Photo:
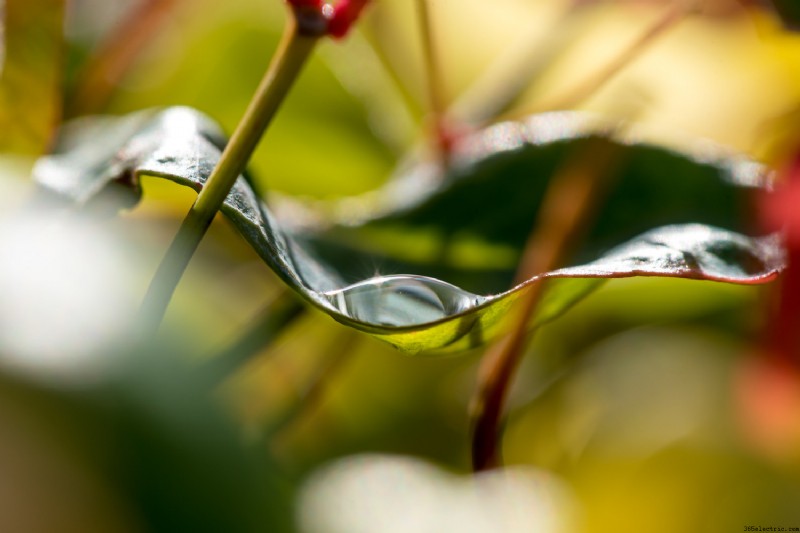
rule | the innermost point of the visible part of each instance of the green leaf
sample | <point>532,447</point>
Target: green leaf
<point>30,85</point>
<point>669,214</point>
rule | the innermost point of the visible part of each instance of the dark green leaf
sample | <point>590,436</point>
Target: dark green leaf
<point>669,214</point>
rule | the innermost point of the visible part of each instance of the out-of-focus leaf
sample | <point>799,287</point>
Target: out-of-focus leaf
<point>670,214</point>
<point>156,438</point>
<point>30,83</point>
<point>182,458</point>
<point>89,401</point>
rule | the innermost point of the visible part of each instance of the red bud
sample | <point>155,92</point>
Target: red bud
<point>345,14</point>
<point>331,17</point>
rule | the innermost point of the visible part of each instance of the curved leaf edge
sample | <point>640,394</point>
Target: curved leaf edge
<point>178,144</point>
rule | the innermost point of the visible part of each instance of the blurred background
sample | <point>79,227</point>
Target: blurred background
<point>645,408</point>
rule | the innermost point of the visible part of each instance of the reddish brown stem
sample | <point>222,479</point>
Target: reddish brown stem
<point>564,215</point>
<point>115,57</point>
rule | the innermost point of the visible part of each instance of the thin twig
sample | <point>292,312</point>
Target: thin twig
<point>435,83</point>
<point>281,313</point>
<point>314,391</point>
<point>564,214</point>
<point>502,85</point>
<point>410,100</point>
<point>114,57</point>
<point>674,13</point>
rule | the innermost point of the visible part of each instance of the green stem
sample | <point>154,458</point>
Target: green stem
<point>435,82</point>
<point>292,54</point>
<point>370,32</point>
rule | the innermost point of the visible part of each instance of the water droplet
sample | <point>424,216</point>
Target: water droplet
<point>400,301</point>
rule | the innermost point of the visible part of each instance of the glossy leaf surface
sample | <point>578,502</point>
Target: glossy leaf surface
<point>667,214</point>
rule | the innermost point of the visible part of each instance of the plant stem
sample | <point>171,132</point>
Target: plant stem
<point>292,54</point>
<point>369,33</point>
<point>502,85</point>
<point>313,392</point>
<point>673,14</point>
<point>115,56</point>
<point>281,313</point>
<point>435,82</point>
<point>563,216</point>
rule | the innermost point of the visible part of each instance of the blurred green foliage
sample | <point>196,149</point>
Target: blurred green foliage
<point>632,398</point>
